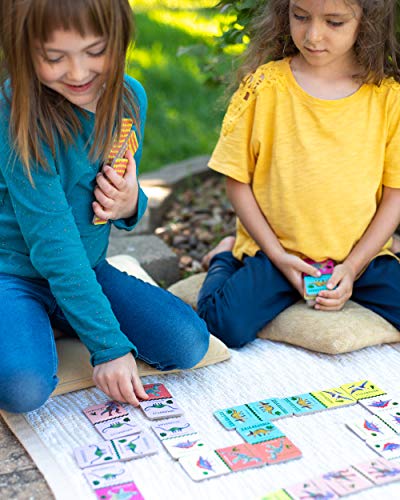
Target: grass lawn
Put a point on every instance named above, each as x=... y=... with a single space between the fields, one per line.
x=185 y=113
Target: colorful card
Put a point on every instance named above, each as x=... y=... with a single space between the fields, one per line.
x=161 y=408
x=304 y=404
x=312 y=285
x=108 y=475
x=276 y=451
x=180 y=446
x=268 y=409
x=334 y=398
x=344 y=481
x=363 y=389
x=392 y=419
x=308 y=489
x=258 y=433
x=135 y=446
x=236 y=416
x=117 y=427
x=387 y=448
x=127 y=491
x=224 y=420
x=104 y=411
x=204 y=465
x=239 y=457
x=157 y=391
x=173 y=428
x=95 y=454
x=380 y=471
x=381 y=403
x=325 y=267
x=277 y=495
x=371 y=428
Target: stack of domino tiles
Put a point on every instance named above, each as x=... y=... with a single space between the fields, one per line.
x=380 y=429
x=104 y=463
x=265 y=443
x=340 y=483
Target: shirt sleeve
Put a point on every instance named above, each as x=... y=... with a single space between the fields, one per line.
x=131 y=222
x=48 y=227
x=233 y=155
x=391 y=173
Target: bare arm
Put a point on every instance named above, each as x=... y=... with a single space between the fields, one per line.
x=379 y=231
x=382 y=227
x=246 y=207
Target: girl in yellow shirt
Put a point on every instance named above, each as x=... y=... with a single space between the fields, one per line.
x=310 y=148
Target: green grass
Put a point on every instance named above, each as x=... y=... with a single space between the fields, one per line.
x=185 y=112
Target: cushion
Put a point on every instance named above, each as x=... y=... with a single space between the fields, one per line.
x=350 y=329
x=75 y=370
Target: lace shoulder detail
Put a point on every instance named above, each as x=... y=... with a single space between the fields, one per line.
x=267 y=75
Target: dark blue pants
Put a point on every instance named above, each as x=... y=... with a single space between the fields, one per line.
x=239 y=298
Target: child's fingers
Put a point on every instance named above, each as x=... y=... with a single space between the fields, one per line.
x=100 y=212
x=309 y=269
x=104 y=200
x=127 y=391
x=138 y=387
x=335 y=279
x=109 y=182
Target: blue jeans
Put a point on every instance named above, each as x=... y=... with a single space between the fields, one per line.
x=167 y=332
x=239 y=298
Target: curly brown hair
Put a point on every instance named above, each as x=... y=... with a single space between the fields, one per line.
x=37 y=112
x=376 y=48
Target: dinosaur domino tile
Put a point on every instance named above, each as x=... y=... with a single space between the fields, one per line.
x=126 y=140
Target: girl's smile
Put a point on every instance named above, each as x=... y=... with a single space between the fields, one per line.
x=74 y=66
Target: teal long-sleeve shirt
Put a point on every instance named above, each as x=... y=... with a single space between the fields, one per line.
x=46 y=230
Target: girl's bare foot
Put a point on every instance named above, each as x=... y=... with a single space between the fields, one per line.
x=395 y=248
x=225 y=245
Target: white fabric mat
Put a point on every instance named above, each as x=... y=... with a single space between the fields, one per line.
x=260 y=370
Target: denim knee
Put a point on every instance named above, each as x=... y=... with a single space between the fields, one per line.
x=229 y=326
x=25 y=391
x=195 y=336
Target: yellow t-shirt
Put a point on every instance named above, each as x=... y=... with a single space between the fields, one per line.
x=316 y=166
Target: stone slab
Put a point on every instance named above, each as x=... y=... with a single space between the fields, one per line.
x=19 y=477
x=156 y=258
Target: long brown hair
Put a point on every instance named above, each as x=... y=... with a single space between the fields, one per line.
x=376 y=48
x=37 y=112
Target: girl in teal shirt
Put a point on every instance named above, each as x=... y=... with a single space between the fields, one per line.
x=64 y=94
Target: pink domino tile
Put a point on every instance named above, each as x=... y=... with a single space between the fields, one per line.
x=127 y=491
x=308 y=489
x=157 y=391
x=379 y=471
x=276 y=451
x=240 y=457
x=344 y=481
x=104 y=411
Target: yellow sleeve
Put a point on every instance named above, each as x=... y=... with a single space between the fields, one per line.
x=233 y=155
x=391 y=173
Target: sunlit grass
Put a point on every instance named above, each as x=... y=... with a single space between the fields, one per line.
x=185 y=112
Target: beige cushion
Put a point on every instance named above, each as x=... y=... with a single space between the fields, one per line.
x=352 y=328
x=75 y=370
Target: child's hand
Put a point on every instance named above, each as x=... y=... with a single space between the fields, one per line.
x=293 y=267
x=116 y=196
x=334 y=298
x=119 y=379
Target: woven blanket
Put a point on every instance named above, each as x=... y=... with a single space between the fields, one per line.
x=261 y=370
